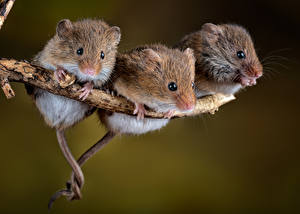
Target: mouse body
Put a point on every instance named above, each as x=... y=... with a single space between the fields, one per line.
x=226 y=60
x=153 y=75
x=86 y=49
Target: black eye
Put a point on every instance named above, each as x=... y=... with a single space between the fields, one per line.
x=241 y=55
x=102 y=55
x=79 y=51
x=172 y=86
x=193 y=85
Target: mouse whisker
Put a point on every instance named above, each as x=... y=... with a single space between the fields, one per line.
x=268 y=58
x=275 y=63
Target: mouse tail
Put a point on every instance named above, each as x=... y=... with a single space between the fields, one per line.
x=85 y=157
x=73 y=190
x=69 y=157
x=96 y=147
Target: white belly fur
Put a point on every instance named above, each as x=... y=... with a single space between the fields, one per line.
x=60 y=111
x=126 y=124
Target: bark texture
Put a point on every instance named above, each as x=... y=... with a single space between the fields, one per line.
x=12 y=70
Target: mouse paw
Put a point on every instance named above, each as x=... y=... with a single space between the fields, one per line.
x=169 y=114
x=60 y=74
x=86 y=90
x=139 y=110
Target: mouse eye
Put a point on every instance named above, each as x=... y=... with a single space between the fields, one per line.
x=102 y=55
x=79 y=51
x=241 y=55
x=172 y=86
x=193 y=85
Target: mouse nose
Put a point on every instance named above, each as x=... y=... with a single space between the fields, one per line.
x=186 y=102
x=258 y=74
x=89 y=67
x=90 y=71
x=189 y=106
x=254 y=72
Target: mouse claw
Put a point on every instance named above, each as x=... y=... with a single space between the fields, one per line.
x=139 y=110
x=60 y=74
x=169 y=114
x=111 y=92
x=86 y=90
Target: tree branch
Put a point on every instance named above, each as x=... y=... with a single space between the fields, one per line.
x=22 y=71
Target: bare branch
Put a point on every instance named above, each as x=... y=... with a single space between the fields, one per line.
x=22 y=71
x=9 y=93
x=5 y=7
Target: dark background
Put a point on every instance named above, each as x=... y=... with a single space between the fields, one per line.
x=244 y=159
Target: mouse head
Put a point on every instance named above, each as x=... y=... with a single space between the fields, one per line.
x=172 y=84
x=229 y=55
x=88 y=48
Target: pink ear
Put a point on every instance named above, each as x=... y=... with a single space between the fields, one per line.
x=114 y=34
x=211 y=32
x=152 y=54
x=64 y=28
x=190 y=54
x=211 y=28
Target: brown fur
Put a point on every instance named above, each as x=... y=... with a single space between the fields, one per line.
x=61 y=52
x=143 y=74
x=71 y=36
x=93 y=36
x=215 y=48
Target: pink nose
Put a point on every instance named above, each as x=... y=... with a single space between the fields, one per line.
x=189 y=106
x=90 y=71
x=186 y=106
x=255 y=73
x=186 y=102
x=258 y=74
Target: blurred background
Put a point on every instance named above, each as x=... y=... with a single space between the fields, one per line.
x=244 y=159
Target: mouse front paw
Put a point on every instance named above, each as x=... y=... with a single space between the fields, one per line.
x=169 y=114
x=139 y=110
x=86 y=90
x=60 y=74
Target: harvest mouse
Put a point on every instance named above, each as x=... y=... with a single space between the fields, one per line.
x=87 y=49
x=155 y=76
x=226 y=60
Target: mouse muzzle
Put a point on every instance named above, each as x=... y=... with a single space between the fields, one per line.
x=90 y=69
x=186 y=102
x=250 y=75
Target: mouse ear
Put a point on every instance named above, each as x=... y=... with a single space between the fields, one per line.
x=152 y=54
x=211 y=28
x=211 y=31
x=114 y=34
x=64 y=28
x=190 y=54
